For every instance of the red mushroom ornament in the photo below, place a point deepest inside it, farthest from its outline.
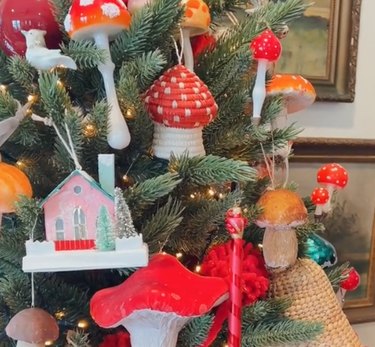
(102, 20)
(350, 284)
(332, 176)
(180, 105)
(157, 301)
(266, 48)
(319, 197)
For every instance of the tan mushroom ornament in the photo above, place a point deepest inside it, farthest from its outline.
(102, 20)
(32, 327)
(157, 301)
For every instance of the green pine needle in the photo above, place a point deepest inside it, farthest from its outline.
(195, 332)
(22, 72)
(84, 53)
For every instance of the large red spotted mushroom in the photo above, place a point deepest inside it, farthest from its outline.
(196, 21)
(266, 48)
(157, 301)
(102, 20)
(180, 105)
(332, 176)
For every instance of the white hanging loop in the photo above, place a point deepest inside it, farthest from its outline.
(178, 53)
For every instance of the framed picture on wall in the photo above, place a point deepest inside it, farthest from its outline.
(350, 227)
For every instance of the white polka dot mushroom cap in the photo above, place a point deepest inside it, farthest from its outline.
(179, 99)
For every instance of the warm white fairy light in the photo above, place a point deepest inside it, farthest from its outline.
(3, 88)
(48, 343)
(90, 130)
(198, 268)
(179, 255)
(125, 178)
(260, 245)
(211, 192)
(60, 315)
(59, 83)
(83, 324)
(192, 196)
(221, 196)
(31, 98)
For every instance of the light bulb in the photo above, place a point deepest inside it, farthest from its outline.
(90, 130)
(179, 255)
(198, 268)
(83, 324)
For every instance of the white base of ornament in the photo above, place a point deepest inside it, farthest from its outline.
(177, 141)
(42, 257)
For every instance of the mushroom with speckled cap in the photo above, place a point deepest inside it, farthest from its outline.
(32, 327)
(282, 211)
(196, 21)
(102, 20)
(156, 301)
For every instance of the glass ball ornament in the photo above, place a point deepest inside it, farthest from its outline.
(17, 15)
(321, 251)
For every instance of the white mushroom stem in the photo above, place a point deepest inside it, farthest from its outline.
(327, 206)
(25, 344)
(340, 295)
(150, 328)
(280, 247)
(319, 210)
(259, 90)
(118, 133)
(187, 49)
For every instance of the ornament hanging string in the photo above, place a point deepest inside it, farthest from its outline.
(270, 169)
(178, 53)
(69, 147)
(32, 274)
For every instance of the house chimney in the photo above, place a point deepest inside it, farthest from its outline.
(106, 168)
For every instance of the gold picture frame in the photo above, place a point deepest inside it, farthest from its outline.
(352, 229)
(322, 46)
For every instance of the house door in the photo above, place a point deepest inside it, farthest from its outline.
(80, 229)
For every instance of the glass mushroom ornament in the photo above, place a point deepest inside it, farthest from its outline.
(32, 327)
(180, 105)
(266, 48)
(196, 22)
(350, 284)
(102, 20)
(319, 197)
(155, 302)
(332, 177)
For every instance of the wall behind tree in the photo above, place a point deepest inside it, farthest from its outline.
(354, 120)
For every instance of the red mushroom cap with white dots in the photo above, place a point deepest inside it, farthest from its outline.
(179, 99)
(266, 46)
(319, 196)
(333, 174)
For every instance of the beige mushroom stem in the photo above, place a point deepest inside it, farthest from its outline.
(118, 133)
(280, 247)
(187, 49)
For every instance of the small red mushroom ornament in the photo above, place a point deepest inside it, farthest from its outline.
(180, 105)
(332, 176)
(266, 48)
(157, 301)
(350, 284)
(319, 197)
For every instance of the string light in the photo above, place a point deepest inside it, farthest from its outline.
(192, 196)
(198, 268)
(179, 255)
(60, 315)
(221, 196)
(90, 130)
(83, 324)
(3, 88)
(59, 83)
(125, 178)
(211, 192)
(48, 343)
(130, 113)
(260, 245)
(20, 164)
(31, 98)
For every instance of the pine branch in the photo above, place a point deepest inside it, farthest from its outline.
(8, 105)
(60, 10)
(145, 68)
(5, 76)
(271, 309)
(195, 333)
(84, 53)
(282, 332)
(206, 170)
(338, 274)
(22, 72)
(150, 28)
(15, 291)
(144, 194)
(55, 99)
(163, 223)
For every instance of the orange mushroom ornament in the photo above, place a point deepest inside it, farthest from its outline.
(13, 184)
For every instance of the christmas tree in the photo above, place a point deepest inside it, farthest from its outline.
(180, 172)
(105, 240)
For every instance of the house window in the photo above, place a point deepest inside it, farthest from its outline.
(59, 226)
(77, 189)
(79, 219)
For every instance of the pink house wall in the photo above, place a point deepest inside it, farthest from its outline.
(64, 202)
